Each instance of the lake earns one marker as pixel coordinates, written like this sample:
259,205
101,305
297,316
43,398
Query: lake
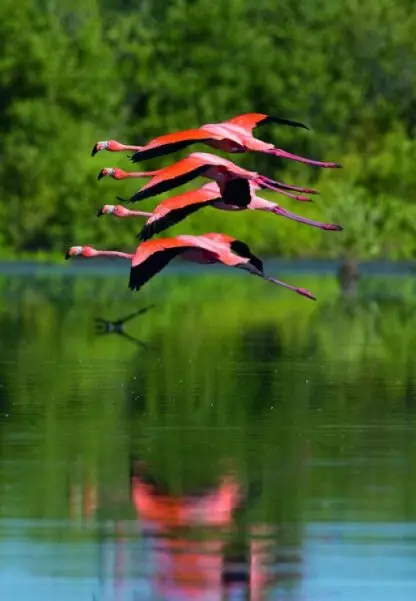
230,441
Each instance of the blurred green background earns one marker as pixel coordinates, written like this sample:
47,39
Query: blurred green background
75,72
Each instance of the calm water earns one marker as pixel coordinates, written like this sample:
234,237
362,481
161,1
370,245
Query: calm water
233,441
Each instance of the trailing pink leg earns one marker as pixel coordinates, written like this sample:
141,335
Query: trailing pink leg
323,226
252,269
265,184
288,187
301,291
278,152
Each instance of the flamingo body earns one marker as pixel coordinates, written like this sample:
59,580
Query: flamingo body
234,135
237,195
200,163
152,256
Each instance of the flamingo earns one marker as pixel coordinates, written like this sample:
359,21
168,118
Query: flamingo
199,163
234,135
153,255
239,194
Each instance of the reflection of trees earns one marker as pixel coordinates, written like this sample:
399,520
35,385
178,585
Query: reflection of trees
235,370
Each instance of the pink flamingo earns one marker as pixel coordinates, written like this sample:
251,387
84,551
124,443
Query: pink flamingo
199,163
238,195
153,255
234,135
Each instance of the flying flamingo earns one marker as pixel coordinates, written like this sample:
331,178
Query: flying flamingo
153,255
199,163
234,135
239,194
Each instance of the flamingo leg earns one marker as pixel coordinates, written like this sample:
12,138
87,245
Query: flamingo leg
278,152
302,291
264,184
272,182
323,226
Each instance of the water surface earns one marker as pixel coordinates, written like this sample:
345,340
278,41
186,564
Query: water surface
233,441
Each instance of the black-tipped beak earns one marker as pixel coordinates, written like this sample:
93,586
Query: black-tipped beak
100,175
67,255
100,213
94,150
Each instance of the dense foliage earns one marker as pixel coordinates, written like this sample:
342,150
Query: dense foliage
73,72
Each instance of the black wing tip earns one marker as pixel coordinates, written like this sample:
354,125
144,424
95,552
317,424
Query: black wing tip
144,234
134,282
141,195
272,119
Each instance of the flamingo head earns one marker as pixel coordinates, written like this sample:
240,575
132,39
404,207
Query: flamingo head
112,172
83,251
110,145
117,210
106,210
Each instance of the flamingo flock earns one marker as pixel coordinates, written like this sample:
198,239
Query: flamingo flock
231,188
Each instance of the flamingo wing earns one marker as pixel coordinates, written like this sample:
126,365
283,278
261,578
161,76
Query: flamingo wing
172,142
249,121
173,210
170,177
151,257
228,250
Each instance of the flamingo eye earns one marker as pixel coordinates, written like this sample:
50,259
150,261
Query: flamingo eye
103,145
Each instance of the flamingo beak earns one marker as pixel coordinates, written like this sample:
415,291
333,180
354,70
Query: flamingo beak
94,150
100,213
100,175
67,255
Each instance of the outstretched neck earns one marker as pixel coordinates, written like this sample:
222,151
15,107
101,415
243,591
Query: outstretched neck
133,174
131,147
113,253
139,213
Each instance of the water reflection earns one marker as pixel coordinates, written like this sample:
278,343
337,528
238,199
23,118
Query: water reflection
106,326
263,448
198,546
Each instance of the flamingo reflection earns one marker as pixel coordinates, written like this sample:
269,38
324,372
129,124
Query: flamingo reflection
191,543
105,326
196,547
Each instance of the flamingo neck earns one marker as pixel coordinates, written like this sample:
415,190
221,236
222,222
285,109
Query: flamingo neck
139,213
113,253
134,174
131,147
